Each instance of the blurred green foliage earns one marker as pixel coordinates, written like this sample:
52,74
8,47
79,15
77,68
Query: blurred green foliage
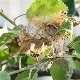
71,7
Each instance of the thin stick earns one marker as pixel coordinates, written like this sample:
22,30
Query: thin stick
4,16
38,70
23,69
18,17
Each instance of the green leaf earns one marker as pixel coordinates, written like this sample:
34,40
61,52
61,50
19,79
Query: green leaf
31,60
6,38
27,60
3,47
24,75
24,60
26,78
4,54
77,39
66,29
45,9
76,64
11,60
34,76
66,25
77,47
75,43
15,29
46,52
4,76
60,70
1,27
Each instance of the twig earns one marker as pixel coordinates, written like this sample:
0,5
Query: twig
23,69
4,16
18,17
31,71
38,70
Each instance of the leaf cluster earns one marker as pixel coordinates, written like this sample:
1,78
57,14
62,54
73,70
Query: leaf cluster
41,54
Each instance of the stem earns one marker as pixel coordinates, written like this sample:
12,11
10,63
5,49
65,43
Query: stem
31,71
4,16
52,47
23,69
17,71
18,17
43,61
38,70
20,62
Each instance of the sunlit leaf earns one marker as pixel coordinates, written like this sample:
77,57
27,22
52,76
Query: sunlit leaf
60,70
31,60
4,55
45,9
4,76
26,60
74,53
3,47
46,52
